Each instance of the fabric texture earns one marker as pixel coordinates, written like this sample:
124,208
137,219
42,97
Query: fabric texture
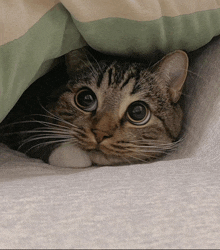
143,27
35,32
28,57
173,203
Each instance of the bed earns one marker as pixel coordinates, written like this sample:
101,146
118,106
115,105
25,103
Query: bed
173,203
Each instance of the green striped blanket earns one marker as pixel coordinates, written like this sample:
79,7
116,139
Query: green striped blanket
35,32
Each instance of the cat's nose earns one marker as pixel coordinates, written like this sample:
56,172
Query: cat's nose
100,135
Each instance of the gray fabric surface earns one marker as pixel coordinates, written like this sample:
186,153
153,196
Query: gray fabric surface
174,203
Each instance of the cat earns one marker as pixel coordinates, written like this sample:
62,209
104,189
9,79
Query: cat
103,110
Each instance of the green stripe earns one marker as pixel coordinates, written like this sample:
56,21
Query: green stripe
166,34
25,59
56,33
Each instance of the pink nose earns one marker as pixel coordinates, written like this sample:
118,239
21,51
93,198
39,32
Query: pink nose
100,135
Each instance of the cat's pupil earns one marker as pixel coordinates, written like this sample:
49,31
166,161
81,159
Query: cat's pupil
86,100
137,113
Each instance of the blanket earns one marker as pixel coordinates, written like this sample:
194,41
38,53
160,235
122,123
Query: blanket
174,203
34,33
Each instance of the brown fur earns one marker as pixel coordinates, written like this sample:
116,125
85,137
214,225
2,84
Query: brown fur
106,133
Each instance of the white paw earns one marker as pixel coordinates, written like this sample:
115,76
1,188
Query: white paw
68,155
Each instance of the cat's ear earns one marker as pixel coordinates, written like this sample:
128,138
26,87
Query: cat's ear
173,69
76,60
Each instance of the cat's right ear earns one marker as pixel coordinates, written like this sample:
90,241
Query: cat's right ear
76,60
173,70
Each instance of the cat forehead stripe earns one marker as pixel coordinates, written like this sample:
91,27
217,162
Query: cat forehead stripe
118,75
105,73
127,77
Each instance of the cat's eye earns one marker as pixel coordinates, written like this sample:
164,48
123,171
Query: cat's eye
138,113
86,100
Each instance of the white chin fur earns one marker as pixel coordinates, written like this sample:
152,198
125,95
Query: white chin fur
68,155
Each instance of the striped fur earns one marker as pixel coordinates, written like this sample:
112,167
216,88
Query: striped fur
105,133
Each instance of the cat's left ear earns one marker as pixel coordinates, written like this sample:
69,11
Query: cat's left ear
173,69
77,60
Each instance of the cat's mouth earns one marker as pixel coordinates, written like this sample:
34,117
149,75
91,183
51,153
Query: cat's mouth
106,154
103,155
98,157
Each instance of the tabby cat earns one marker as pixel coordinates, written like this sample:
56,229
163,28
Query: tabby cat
107,111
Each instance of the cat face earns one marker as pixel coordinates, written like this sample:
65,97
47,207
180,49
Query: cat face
121,112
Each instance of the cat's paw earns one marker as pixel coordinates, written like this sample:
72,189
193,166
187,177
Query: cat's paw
68,155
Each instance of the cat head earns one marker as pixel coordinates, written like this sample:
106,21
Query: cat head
121,111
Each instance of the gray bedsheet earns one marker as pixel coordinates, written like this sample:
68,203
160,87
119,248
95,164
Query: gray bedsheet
174,203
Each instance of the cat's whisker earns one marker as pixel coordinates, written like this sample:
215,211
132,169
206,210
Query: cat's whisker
150,149
127,153
195,74
92,65
58,126
92,69
149,140
157,142
36,138
145,152
55,130
124,158
47,124
154,147
138,158
45,136
47,133
144,77
148,155
146,148
100,69
166,151
55,117
43,133
42,144
191,90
